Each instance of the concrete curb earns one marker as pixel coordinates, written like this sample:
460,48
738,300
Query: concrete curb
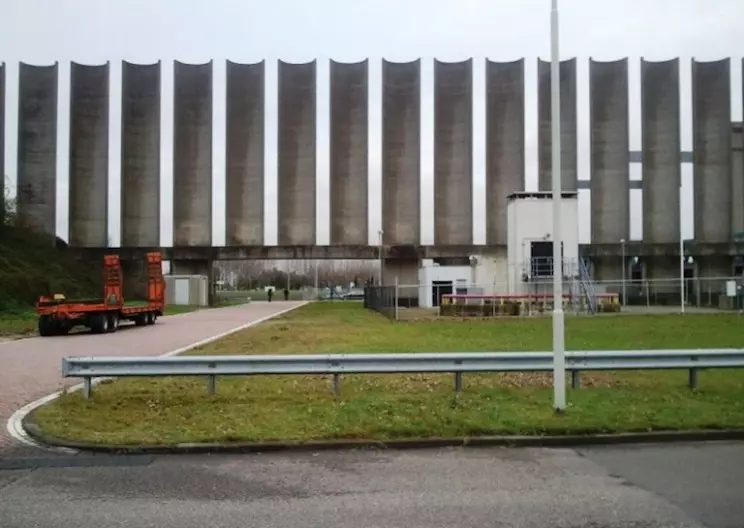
33,430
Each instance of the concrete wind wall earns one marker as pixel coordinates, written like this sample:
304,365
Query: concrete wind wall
569,175
2,141
660,123
711,136
37,147
349,153
89,128
140,155
297,156
401,148
505,152
737,180
453,153
245,155
192,155
610,163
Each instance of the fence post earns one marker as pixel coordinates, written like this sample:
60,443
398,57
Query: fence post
395,298
212,385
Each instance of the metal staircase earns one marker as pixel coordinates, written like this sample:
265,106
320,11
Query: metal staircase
587,286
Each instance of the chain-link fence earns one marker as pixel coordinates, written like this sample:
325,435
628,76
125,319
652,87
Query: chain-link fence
382,299
719,293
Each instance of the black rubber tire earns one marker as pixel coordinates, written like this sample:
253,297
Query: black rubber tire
113,322
140,320
150,318
46,326
99,324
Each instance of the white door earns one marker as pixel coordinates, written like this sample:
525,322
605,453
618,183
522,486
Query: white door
182,292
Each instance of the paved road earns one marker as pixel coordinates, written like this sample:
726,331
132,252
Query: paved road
31,368
638,487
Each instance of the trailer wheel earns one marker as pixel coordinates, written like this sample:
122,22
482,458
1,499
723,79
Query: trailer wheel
46,326
150,318
113,322
99,324
140,320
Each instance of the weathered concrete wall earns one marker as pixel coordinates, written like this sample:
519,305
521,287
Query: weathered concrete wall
505,151
140,155
660,118
245,154
89,133
569,171
401,152
610,165
349,153
192,155
737,179
2,141
711,136
297,153
453,152
37,147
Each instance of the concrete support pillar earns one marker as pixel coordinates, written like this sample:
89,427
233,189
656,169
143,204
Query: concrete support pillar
712,274
406,272
609,269
197,267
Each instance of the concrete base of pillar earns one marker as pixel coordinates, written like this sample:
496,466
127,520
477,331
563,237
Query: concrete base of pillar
197,267
406,272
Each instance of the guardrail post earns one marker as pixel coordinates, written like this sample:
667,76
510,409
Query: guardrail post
87,387
575,379
212,385
458,381
692,378
337,385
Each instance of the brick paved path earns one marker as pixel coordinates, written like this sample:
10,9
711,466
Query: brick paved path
31,368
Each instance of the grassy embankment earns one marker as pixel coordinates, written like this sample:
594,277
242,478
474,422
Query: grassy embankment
302,408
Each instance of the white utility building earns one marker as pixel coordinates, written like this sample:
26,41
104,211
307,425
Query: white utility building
527,266
530,239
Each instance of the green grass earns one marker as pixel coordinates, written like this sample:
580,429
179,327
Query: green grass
301,408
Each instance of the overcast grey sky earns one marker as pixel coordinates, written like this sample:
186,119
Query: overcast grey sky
94,31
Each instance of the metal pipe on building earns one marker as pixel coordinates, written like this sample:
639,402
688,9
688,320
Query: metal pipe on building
559,360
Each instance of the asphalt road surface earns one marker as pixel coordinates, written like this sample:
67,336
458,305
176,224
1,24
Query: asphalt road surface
31,368
609,487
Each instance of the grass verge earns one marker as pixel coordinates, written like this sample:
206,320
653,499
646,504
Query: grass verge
301,408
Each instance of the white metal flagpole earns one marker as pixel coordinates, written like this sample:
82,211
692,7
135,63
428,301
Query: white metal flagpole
559,352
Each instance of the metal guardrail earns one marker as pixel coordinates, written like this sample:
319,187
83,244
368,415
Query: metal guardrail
456,363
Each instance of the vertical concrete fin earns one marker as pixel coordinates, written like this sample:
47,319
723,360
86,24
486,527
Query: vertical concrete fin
297,153
660,123
140,155
349,155
37,147
610,145
2,142
569,175
505,148
711,139
453,153
401,147
244,213
192,154
89,130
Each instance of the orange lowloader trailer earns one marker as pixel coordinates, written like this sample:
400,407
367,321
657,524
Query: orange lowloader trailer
58,315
